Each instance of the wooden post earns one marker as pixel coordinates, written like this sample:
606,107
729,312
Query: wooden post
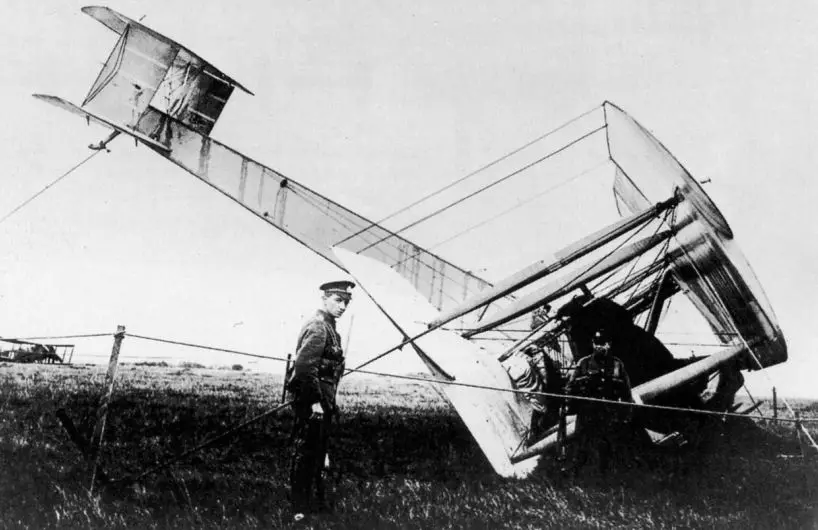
775,406
102,411
796,432
286,378
805,440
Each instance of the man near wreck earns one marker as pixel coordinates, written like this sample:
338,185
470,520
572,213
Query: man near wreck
317,370
600,427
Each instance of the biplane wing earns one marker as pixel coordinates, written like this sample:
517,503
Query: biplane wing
497,420
147,70
710,266
120,24
700,253
91,117
168,98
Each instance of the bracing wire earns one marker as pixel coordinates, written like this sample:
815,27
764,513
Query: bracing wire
659,256
427,379
244,424
480,169
344,221
495,182
350,224
55,181
520,204
511,209
606,255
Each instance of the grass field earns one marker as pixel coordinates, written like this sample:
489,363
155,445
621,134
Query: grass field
402,459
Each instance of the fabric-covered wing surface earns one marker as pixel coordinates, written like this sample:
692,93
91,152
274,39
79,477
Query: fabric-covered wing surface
169,98
497,419
130,77
304,214
146,69
119,23
714,272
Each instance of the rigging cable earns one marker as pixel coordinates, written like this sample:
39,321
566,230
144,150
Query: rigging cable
647,223
521,203
509,210
27,201
657,280
237,427
427,379
496,182
340,220
345,220
584,270
338,215
480,169
660,256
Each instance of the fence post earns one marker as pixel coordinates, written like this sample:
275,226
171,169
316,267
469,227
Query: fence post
286,378
805,440
102,411
775,406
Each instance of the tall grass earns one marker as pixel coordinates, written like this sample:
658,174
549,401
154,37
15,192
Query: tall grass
401,459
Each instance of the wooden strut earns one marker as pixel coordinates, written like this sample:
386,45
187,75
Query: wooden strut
560,260
655,312
547,329
568,283
95,450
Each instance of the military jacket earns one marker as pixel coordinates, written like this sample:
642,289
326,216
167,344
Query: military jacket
600,376
319,360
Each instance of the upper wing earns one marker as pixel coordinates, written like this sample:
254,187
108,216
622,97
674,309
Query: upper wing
708,263
119,23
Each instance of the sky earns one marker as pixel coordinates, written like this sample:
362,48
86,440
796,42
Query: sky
375,104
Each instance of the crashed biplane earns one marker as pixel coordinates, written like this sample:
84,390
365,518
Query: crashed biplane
670,241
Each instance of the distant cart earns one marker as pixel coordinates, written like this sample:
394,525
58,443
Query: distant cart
21,351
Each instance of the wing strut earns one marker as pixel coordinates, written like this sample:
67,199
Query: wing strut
561,259
615,290
561,286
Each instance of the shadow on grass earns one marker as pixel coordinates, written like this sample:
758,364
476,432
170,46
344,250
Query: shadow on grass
394,466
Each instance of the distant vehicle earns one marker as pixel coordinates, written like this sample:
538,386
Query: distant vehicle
21,351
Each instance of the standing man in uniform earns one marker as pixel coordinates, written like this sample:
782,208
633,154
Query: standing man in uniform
600,427
317,370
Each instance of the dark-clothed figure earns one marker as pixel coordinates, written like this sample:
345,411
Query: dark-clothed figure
541,354
317,370
532,370
600,428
